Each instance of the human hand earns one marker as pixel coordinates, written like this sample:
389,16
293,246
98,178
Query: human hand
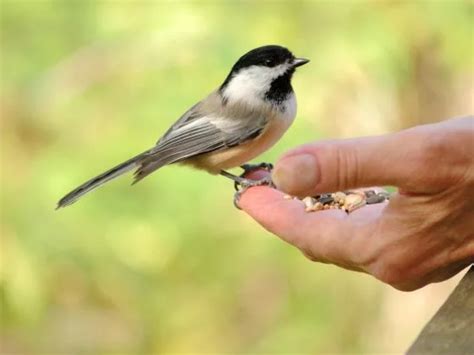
424,234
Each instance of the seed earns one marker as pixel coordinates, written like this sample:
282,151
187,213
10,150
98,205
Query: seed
339,197
317,206
353,202
369,193
375,199
308,202
385,194
326,199
287,197
360,193
347,200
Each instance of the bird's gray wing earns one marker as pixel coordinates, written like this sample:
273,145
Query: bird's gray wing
198,136
190,115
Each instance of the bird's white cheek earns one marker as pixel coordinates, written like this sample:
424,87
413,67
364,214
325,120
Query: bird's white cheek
251,84
248,87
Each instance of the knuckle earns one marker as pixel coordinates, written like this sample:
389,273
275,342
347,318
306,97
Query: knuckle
435,157
347,167
443,148
434,146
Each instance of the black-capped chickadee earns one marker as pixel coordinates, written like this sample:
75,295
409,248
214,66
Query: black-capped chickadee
240,120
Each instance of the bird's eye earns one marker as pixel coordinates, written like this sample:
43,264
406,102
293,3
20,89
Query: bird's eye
269,62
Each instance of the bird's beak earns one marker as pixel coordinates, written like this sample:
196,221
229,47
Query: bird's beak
298,62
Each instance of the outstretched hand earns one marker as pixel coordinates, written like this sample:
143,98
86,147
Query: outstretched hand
424,234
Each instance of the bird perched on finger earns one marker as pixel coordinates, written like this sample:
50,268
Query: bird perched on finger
238,121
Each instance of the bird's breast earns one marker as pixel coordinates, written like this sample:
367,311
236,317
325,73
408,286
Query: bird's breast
277,124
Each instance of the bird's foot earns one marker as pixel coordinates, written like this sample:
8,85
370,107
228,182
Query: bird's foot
243,184
252,167
248,168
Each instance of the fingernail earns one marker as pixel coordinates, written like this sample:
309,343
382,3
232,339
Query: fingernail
296,174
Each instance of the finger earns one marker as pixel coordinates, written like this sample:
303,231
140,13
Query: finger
277,214
392,159
323,234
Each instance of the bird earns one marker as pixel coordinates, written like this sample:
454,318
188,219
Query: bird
245,116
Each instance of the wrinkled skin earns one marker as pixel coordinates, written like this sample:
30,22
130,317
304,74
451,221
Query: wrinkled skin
424,234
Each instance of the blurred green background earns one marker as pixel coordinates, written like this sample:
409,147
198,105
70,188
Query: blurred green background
170,265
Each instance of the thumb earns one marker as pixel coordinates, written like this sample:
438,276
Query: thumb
394,159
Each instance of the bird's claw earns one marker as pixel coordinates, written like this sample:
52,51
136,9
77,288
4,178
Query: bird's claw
252,167
247,183
248,168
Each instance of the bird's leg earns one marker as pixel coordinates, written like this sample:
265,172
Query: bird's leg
245,183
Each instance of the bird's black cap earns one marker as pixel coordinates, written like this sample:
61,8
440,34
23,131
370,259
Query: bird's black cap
269,56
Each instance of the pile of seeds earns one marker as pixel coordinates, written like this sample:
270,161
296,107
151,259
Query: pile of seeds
348,200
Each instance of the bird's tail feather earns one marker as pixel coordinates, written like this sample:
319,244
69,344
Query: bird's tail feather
101,179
